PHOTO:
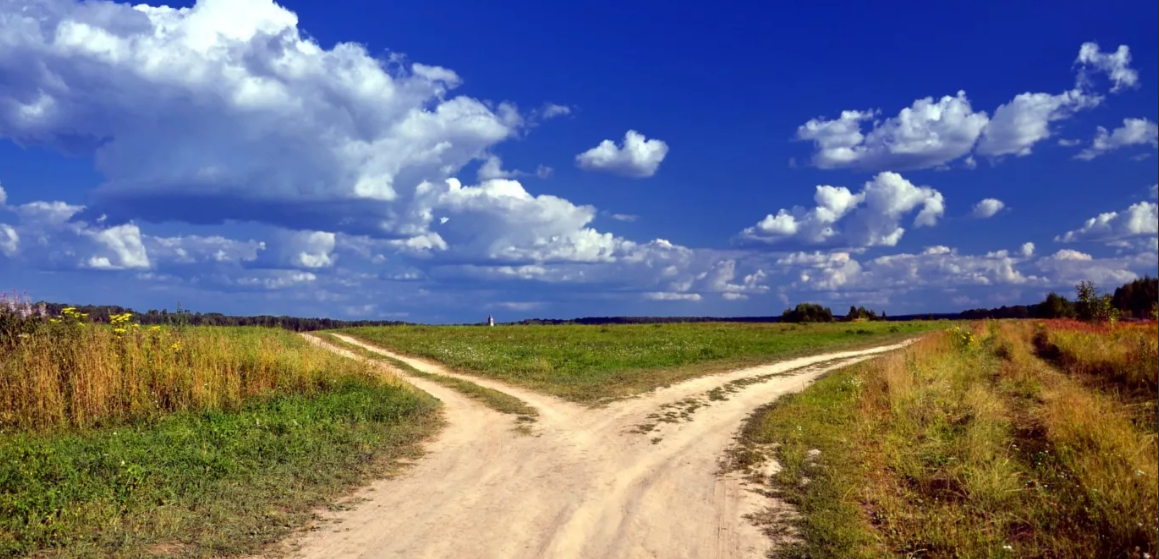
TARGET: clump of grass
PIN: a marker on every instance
(965, 445)
(494, 399)
(591, 364)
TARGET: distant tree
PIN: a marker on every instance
(1136, 299)
(1055, 306)
(1093, 306)
(807, 313)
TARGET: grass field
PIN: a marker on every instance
(193, 442)
(494, 399)
(1014, 440)
(590, 364)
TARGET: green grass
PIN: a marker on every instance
(185, 442)
(494, 399)
(964, 445)
(202, 484)
(590, 364)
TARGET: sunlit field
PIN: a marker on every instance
(594, 363)
(127, 441)
(1015, 440)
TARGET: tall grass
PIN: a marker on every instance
(1123, 355)
(82, 376)
(966, 445)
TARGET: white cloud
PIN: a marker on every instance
(193, 249)
(870, 218)
(988, 208)
(927, 134)
(1068, 267)
(1023, 122)
(120, 248)
(226, 111)
(9, 240)
(1133, 132)
(1027, 250)
(661, 296)
(629, 218)
(492, 168)
(1155, 192)
(1139, 220)
(637, 157)
(1116, 65)
(931, 134)
(552, 110)
(499, 220)
(308, 249)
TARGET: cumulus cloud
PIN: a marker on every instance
(1023, 122)
(988, 208)
(226, 111)
(932, 133)
(636, 157)
(1133, 132)
(1026, 120)
(869, 218)
(1027, 250)
(1116, 65)
(927, 134)
(1139, 220)
(1068, 267)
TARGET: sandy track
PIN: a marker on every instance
(586, 484)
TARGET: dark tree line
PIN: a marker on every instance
(1137, 300)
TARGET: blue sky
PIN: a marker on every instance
(439, 162)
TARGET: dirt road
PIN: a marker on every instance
(637, 478)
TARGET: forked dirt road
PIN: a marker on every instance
(586, 483)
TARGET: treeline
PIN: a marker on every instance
(1134, 300)
(101, 313)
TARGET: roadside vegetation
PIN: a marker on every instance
(1003, 439)
(126, 441)
(494, 399)
(590, 364)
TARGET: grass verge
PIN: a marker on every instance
(591, 364)
(185, 442)
(202, 484)
(965, 445)
(494, 399)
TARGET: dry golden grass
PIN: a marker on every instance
(969, 444)
(83, 375)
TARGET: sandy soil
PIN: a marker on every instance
(633, 479)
